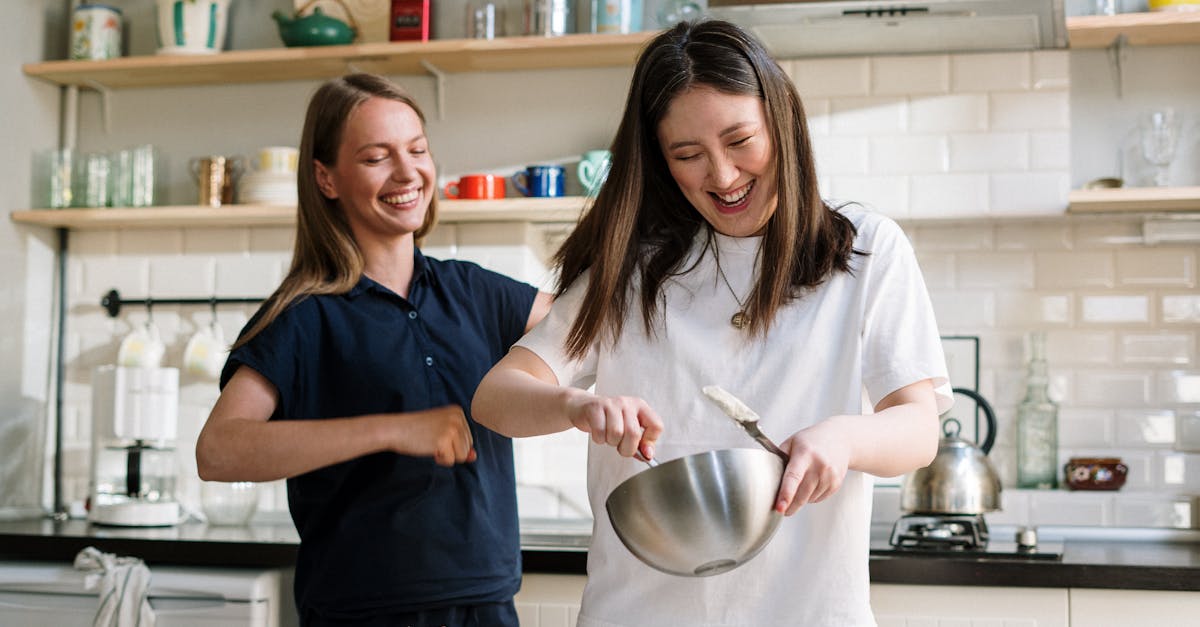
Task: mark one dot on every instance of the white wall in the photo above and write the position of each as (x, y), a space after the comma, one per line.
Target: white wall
(30, 109)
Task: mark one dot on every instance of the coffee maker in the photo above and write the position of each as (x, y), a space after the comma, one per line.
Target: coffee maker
(134, 416)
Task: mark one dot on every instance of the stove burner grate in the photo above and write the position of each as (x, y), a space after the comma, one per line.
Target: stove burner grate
(940, 532)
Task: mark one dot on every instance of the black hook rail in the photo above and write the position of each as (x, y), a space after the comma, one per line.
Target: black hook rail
(112, 302)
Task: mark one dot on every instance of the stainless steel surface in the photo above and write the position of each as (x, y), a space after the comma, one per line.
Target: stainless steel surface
(1026, 537)
(744, 416)
(792, 28)
(699, 515)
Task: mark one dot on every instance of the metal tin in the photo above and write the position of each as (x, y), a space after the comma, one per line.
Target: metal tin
(95, 32)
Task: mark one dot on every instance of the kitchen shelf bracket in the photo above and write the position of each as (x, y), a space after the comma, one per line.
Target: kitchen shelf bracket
(105, 103)
(439, 88)
(1118, 52)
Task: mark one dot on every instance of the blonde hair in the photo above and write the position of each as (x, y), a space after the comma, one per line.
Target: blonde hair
(326, 258)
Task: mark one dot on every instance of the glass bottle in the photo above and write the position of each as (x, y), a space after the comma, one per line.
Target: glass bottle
(1037, 423)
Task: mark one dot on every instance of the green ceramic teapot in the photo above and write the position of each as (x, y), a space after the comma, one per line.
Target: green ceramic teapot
(314, 29)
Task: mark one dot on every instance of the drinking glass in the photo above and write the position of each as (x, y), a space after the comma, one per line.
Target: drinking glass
(1160, 136)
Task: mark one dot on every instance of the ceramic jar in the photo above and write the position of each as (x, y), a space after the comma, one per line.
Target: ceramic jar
(192, 26)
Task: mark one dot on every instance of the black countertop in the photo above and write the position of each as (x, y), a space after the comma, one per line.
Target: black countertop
(1099, 561)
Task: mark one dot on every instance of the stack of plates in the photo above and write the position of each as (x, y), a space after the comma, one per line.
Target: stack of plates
(268, 188)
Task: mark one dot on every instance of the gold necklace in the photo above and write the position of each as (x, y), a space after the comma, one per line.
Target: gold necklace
(740, 319)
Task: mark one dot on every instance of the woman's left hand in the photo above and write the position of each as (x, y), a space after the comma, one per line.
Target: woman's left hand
(820, 457)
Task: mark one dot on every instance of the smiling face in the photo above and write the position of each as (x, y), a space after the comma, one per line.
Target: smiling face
(718, 149)
(384, 176)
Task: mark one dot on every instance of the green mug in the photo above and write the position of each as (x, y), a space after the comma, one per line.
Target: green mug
(593, 169)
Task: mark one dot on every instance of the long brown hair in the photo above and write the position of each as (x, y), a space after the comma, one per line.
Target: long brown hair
(326, 258)
(641, 225)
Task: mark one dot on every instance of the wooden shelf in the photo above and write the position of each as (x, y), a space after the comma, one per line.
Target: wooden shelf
(449, 212)
(1160, 28)
(320, 62)
(1134, 199)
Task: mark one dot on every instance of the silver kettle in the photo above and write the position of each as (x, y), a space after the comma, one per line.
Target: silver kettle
(960, 480)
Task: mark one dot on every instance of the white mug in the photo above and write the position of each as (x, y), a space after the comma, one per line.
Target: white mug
(278, 159)
(142, 348)
(206, 351)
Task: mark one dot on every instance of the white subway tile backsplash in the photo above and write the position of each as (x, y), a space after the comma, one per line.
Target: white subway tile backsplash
(1019, 309)
(1163, 347)
(953, 113)
(1001, 71)
(988, 152)
(1050, 150)
(841, 155)
(1081, 348)
(1148, 511)
(1180, 469)
(1032, 236)
(183, 277)
(918, 74)
(1073, 270)
(1051, 69)
(816, 111)
(213, 242)
(868, 116)
(253, 275)
(1181, 308)
(886, 194)
(1030, 111)
(1106, 234)
(963, 309)
(1142, 428)
(908, 154)
(951, 238)
(97, 275)
(995, 270)
(1188, 431)
(1029, 193)
(94, 243)
(272, 239)
(1144, 468)
(948, 195)
(1085, 428)
(1179, 386)
(825, 78)
(150, 242)
(1056, 507)
(1167, 267)
(1113, 388)
(1115, 309)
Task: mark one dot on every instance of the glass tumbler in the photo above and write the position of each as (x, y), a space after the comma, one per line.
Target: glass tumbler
(229, 503)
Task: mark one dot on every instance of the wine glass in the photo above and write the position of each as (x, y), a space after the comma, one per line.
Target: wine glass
(1160, 136)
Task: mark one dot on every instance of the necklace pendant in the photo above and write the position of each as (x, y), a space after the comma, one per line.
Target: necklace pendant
(740, 320)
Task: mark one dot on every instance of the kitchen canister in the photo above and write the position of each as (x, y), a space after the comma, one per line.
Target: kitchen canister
(95, 32)
(192, 26)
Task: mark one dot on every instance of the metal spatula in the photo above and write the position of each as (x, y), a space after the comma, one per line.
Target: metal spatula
(743, 415)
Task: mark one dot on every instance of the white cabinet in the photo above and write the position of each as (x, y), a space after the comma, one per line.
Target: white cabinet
(1133, 608)
(898, 605)
(549, 600)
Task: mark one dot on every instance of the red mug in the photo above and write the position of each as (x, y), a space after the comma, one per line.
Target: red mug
(476, 187)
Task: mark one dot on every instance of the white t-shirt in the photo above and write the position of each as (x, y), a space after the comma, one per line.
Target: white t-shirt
(855, 337)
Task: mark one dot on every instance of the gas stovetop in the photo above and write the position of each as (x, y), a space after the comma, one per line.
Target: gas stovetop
(964, 536)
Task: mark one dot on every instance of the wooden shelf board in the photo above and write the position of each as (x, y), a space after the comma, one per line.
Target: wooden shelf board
(449, 212)
(1134, 199)
(320, 62)
(1160, 28)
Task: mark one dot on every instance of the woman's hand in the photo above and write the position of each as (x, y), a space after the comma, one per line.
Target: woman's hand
(820, 458)
(441, 433)
(625, 422)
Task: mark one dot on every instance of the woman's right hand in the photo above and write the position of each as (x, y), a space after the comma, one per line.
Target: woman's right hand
(625, 422)
(441, 433)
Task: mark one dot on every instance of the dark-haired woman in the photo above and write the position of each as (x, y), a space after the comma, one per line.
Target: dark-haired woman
(352, 379)
(709, 257)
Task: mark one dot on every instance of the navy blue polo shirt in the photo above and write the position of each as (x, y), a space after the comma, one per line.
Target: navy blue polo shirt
(389, 532)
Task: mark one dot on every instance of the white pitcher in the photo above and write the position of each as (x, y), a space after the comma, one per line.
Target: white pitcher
(192, 26)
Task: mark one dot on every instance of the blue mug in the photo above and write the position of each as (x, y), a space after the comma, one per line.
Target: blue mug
(541, 181)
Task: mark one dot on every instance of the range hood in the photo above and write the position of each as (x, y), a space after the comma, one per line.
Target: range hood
(805, 28)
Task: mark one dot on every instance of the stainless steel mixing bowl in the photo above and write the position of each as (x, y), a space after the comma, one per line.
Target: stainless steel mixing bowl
(699, 515)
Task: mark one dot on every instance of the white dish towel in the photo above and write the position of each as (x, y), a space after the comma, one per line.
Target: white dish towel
(122, 585)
